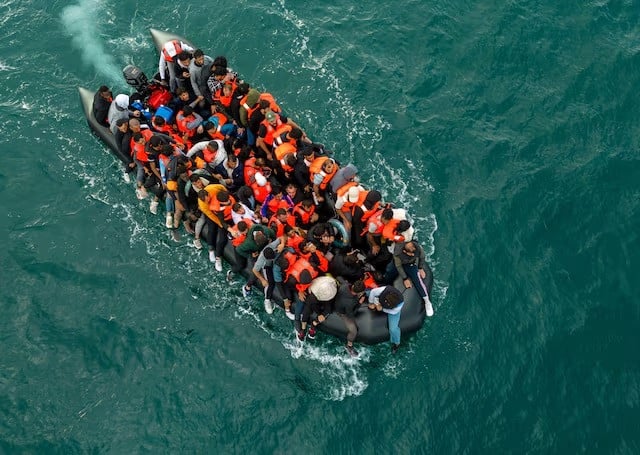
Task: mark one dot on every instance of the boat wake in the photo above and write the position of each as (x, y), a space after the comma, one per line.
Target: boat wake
(79, 21)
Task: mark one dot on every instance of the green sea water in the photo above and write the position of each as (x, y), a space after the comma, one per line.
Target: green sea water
(509, 130)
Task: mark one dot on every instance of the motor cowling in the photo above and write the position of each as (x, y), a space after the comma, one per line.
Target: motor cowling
(136, 79)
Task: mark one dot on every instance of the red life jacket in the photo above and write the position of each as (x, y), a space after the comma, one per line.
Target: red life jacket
(297, 268)
(278, 226)
(220, 96)
(171, 49)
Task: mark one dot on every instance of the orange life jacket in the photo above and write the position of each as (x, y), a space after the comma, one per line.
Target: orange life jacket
(221, 97)
(216, 207)
(316, 168)
(274, 204)
(277, 136)
(222, 119)
(369, 281)
(344, 189)
(270, 130)
(297, 268)
(305, 216)
(260, 192)
(374, 219)
(238, 238)
(294, 242)
(181, 122)
(278, 226)
(323, 261)
(388, 232)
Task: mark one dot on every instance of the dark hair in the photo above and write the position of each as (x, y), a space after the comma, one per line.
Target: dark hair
(276, 189)
(183, 55)
(137, 136)
(122, 121)
(159, 121)
(281, 211)
(104, 89)
(203, 195)
(213, 144)
(198, 53)
(269, 253)
(242, 226)
(219, 70)
(402, 226)
(358, 286)
(295, 133)
(223, 196)
(188, 110)
(220, 60)
(387, 214)
(305, 277)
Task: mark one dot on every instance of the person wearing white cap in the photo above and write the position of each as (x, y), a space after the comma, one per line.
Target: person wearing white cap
(119, 109)
(346, 197)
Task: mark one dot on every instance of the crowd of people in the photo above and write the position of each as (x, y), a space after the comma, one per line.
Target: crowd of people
(230, 166)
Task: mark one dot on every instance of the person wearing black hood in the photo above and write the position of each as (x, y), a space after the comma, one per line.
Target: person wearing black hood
(101, 104)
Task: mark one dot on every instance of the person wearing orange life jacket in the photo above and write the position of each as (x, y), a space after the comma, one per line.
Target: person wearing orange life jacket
(252, 112)
(285, 160)
(260, 186)
(273, 125)
(211, 152)
(298, 279)
(170, 51)
(295, 236)
(367, 205)
(294, 136)
(219, 75)
(314, 255)
(347, 196)
(148, 175)
(214, 222)
(280, 220)
(305, 214)
(321, 172)
(222, 205)
(275, 200)
(189, 123)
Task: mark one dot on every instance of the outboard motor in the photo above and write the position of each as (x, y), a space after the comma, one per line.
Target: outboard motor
(137, 79)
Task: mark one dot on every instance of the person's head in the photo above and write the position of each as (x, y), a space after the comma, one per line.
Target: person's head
(155, 142)
(220, 60)
(182, 93)
(203, 195)
(213, 146)
(358, 287)
(271, 117)
(245, 192)
(260, 239)
(198, 57)
(276, 191)
(308, 153)
(282, 214)
(232, 161)
(305, 277)
(158, 121)
(219, 72)
(295, 133)
(387, 215)
(290, 159)
(223, 197)
(307, 204)
(165, 149)
(196, 182)
(134, 125)
(289, 231)
(104, 92)
(184, 58)
(328, 165)
(282, 262)
(138, 137)
(187, 111)
(410, 247)
(402, 226)
(123, 125)
(292, 190)
(372, 197)
(269, 253)
(239, 208)
(242, 226)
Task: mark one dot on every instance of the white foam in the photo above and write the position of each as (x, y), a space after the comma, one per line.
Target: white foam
(80, 22)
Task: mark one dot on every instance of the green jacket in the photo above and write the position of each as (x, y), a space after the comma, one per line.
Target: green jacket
(249, 246)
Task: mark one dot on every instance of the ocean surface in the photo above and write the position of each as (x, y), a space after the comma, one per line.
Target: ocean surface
(510, 132)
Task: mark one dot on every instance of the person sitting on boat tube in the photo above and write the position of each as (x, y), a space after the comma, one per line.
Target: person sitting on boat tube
(170, 51)
(348, 299)
(390, 301)
(101, 103)
(216, 227)
(319, 302)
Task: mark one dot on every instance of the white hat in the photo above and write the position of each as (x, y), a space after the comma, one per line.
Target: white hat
(324, 288)
(260, 179)
(353, 194)
(122, 101)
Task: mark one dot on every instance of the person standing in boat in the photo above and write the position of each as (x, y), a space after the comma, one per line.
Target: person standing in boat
(168, 56)
(101, 104)
(200, 70)
(390, 301)
(348, 299)
(409, 262)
